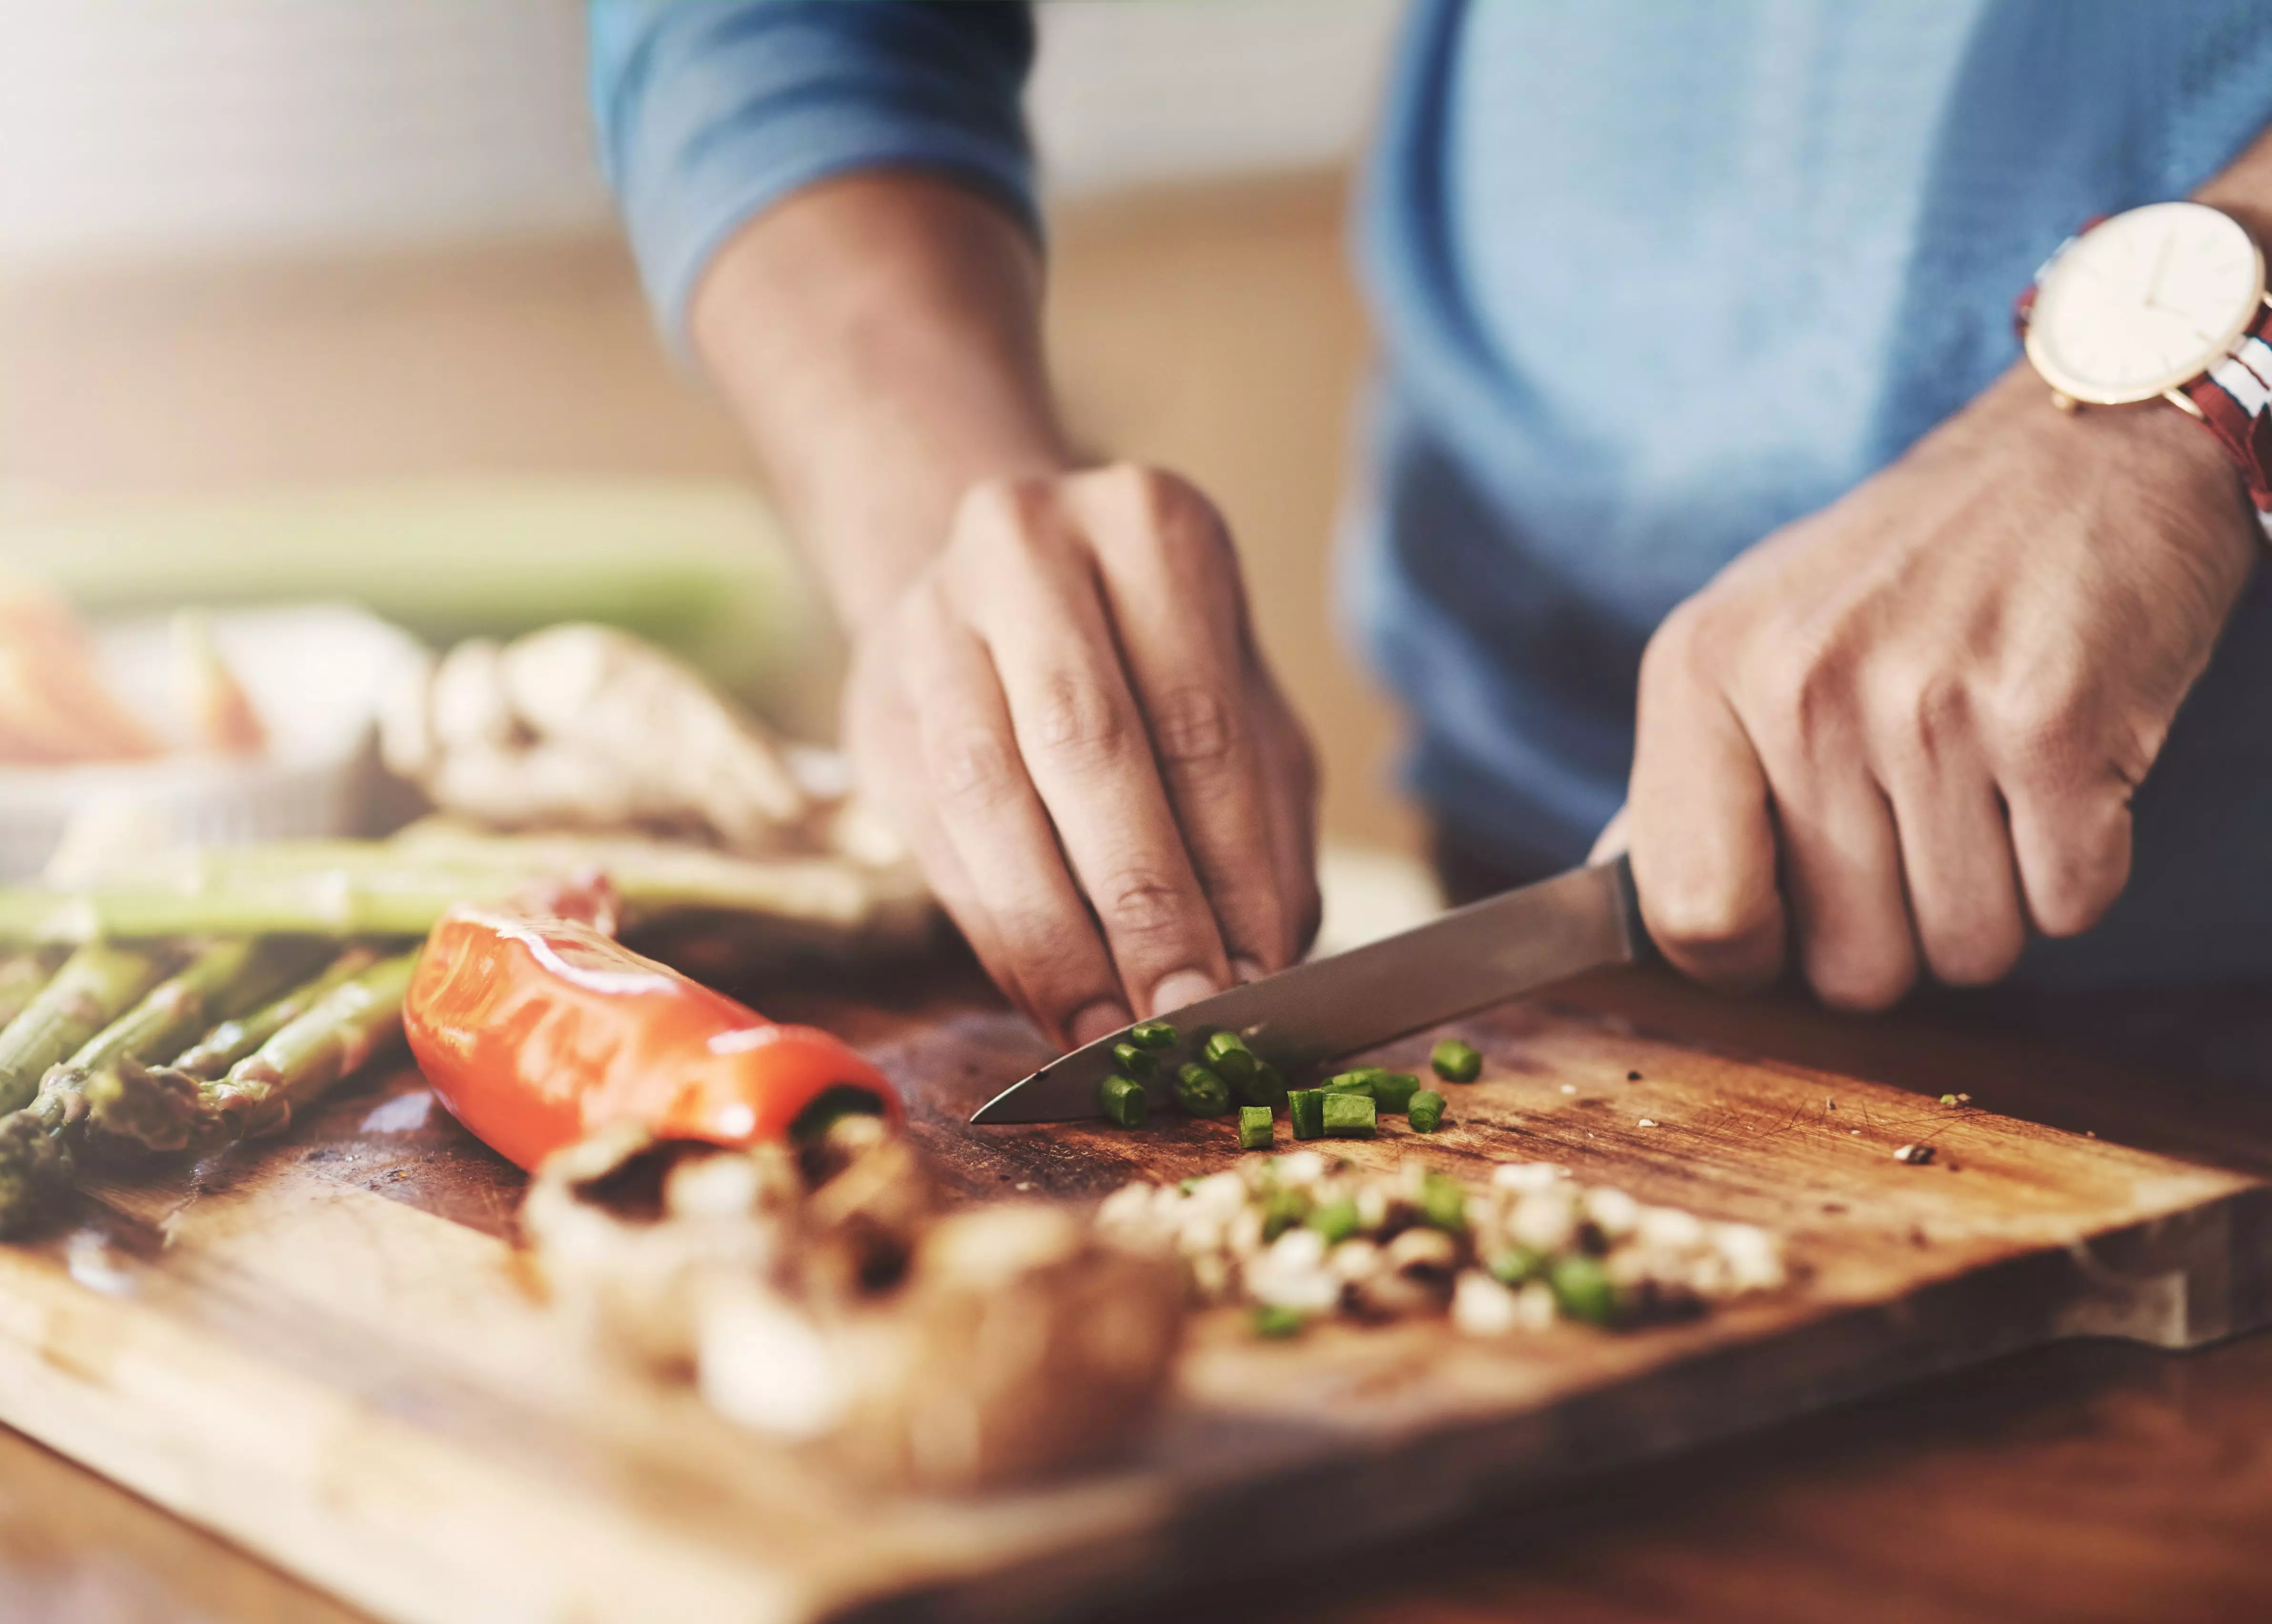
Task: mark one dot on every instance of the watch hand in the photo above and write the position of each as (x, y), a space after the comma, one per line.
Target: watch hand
(2160, 264)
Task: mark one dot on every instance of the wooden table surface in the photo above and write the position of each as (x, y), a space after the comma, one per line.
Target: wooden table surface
(2086, 1481)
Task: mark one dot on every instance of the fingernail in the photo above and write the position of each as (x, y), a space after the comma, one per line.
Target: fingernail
(1184, 986)
(1245, 969)
(1092, 1021)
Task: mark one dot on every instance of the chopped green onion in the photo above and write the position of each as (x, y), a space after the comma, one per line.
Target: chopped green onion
(1141, 1064)
(1123, 1100)
(1948, 1100)
(1359, 1082)
(1349, 1116)
(1153, 1035)
(1201, 1092)
(1443, 1204)
(1281, 1210)
(1582, 1288)
(1517, 1264)
(1337, 1220)
(1266, 1087)
(1307, 1107)
(1228, 1055)
(1456, 1062)
(1185, 1186)
(1274, 1320)
(1254, 1127)
(1393, 1091)
(1426, 1111)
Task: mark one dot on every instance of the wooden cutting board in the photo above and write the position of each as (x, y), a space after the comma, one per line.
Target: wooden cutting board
(322, 1347)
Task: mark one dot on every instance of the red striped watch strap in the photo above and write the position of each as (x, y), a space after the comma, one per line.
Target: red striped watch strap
(2233, 397)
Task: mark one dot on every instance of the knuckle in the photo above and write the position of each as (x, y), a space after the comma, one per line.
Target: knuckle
(1921, 715)
(972, 768)
(1141, 902)
(1800, 698)
(1007, 515)
(1076, 722)
(1143, 506)
(1195, 727)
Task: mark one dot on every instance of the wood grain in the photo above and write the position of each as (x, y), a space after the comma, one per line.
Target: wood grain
(319, 1346)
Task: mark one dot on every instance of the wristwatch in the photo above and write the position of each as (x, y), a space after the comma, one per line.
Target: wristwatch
(2169, 301)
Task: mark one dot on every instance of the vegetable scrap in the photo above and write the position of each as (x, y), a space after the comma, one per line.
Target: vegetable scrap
(1647, 1121)
(1916, 1155)
(1305, 1236)
(823, 1296)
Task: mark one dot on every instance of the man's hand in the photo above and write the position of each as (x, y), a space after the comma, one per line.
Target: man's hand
(1897, 734)
(1065, 713)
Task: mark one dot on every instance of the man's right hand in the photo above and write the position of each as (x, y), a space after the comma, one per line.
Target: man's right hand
(1065, 713)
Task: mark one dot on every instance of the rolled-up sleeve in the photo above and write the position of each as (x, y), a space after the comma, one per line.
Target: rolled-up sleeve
(709, 111)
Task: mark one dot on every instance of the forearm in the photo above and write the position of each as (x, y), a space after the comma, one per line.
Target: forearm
(878, 336)
(2244, 188)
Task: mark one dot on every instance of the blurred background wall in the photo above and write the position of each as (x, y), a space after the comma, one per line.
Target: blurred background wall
(246, 244)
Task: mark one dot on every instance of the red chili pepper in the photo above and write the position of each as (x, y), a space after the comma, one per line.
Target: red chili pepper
(538, 1030)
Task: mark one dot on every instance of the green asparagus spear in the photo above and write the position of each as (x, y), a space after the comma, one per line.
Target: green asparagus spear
(223, 977)
(94, 986)
(21, 976)
(166, 1110)
(35, 1167)
(212, 1055)
(368, 888)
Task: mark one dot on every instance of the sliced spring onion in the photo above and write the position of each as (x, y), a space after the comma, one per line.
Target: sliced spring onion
(1456, 1062)
(1426, 1111)
(1200, 1092)
(1154, 1035)
(1123, 1100)
(1140, 1064)
(1267, 1087)
(1443, 1204)
(1282, 1209)
(1307, 1107)
(1393, 1091)
(1254, 1127)
(1337, 1220)
(1351, 1083)
(1275, 1321)
(1228, 1055)
(1349, 1116)
(1517, 1264)
(1583, 1289)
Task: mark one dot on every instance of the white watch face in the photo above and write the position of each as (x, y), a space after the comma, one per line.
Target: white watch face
(2144, 301)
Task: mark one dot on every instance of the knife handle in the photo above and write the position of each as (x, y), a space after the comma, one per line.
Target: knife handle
(1638, 948)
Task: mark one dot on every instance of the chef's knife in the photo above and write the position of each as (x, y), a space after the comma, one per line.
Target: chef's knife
(1465, 959)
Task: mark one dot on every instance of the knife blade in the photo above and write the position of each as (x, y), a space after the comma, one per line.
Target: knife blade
(1464, 960)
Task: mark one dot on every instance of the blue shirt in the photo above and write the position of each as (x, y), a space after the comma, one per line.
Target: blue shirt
(1651, 281)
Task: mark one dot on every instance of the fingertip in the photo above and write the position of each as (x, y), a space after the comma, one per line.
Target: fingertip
(1182, 988)
(1092, 1021)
